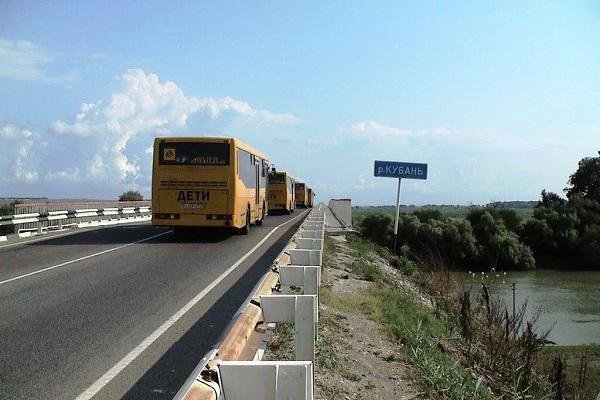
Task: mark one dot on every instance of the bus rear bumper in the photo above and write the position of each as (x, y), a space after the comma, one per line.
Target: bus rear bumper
(200, 221)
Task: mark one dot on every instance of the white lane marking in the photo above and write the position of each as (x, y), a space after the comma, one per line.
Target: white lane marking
(70, 232)
(81, 259)
(139, 349)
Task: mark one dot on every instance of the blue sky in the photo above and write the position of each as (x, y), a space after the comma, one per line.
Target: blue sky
(501, 99)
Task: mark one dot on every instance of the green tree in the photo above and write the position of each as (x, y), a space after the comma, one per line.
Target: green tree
(509, 218)
(505, 251)
(538, 235)
(446, 242)
(590, 246)
(562, 219)
(9, 209)
(131, 195)
(586, 180)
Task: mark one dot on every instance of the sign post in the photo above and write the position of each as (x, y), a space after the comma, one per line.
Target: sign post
(397, 215)
(394, 169)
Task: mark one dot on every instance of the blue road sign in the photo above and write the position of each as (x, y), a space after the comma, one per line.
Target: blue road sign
(394, 169)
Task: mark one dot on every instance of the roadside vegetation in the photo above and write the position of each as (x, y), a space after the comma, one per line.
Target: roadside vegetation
(559, 232)
(464, 343)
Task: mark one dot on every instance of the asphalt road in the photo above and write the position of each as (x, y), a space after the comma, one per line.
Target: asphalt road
(73, 307)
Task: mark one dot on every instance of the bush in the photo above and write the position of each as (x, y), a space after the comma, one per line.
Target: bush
(131, 195)
(439, 242)
(403, 264)
(427, 214)
(377, 228)
(507, 217)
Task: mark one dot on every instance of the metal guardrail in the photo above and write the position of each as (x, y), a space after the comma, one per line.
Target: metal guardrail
(224, 373)
(47, 217)
(44, 208)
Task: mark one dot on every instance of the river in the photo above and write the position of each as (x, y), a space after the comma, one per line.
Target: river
(569, 302)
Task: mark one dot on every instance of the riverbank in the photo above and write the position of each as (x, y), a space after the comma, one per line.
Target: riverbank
(392, 330)
(379, 336)
(564, 302)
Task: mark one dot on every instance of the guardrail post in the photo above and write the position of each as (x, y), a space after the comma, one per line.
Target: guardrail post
(302, 311)
(301, 275)
(266, 380)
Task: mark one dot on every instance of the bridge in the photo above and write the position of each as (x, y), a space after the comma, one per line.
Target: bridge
(122, 309)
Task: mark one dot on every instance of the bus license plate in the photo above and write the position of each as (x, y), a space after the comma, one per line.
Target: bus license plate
(193, 205)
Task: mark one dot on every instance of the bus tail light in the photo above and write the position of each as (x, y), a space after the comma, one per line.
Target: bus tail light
(166, 216)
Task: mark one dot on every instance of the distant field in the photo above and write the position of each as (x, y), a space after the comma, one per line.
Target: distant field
(524, 210)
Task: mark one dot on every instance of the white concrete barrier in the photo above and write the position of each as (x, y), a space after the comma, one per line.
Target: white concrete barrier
(305, 257)
(312, 234)
(309, 244)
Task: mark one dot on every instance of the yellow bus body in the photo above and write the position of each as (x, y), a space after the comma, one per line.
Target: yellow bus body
(301, 195)
(207, 182)
(281, 191)
(311, 198)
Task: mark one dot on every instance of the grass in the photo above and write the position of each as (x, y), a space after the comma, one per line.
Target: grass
(367, 271)
(420, 333)
(281, 346)
(417, 330)
(423, 335)
(572, 356)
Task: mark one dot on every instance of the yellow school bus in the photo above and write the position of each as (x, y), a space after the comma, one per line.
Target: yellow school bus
(311, 198)
(282, 194)
(301, 195)
(208, 182)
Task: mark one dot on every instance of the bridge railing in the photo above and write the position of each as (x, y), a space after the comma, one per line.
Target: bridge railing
(234, 369)
(41, 217)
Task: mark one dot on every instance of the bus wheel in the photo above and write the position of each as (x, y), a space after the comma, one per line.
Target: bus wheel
(246, 229)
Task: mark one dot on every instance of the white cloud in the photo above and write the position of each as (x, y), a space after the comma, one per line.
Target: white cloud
(14, 132)
(108, 143)
(24, 60)
(216, 107)
(146, 105)
(363, 184)
(373, 129)
(15, 153)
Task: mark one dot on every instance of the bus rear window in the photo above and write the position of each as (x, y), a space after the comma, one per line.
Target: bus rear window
(277, 178)
(190, 153)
